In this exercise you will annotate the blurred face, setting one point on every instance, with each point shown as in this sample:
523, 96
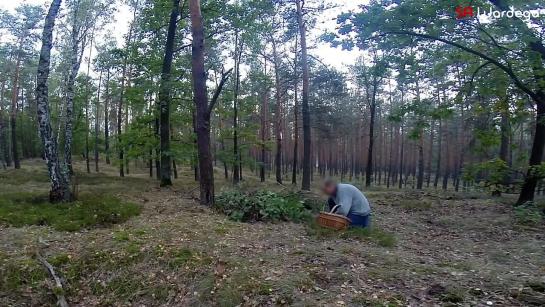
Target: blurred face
328, 188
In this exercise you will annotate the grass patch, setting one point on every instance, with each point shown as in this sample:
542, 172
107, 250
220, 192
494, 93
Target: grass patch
20, 209
22, 176
363, 300
16, 274
529, 214
373, 234
415, 204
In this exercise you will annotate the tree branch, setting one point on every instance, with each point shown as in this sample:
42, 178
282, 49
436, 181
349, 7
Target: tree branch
224, 77
503, 67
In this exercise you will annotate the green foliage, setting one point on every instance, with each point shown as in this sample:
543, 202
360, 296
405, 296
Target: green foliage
528, 214
491, 174
260, 206
19, 209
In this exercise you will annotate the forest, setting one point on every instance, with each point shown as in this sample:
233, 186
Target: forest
172, 152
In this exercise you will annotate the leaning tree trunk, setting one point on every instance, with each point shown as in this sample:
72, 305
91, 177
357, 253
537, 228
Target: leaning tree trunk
60, 190
305, 107
200, 98
164, 96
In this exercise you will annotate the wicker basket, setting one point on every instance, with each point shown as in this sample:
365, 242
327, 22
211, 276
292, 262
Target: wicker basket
333, 221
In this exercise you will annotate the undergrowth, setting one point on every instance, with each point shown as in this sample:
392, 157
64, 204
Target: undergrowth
261, 206
529, 214
20, 209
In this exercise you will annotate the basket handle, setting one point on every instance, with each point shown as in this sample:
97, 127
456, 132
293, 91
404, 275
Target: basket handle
334, 208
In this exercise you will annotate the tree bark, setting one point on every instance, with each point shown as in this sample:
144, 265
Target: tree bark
236, 154
97, 105
75, 61
277, 115
206, 176
264, 134
305, 106
164, 96
60, 190
295, 118
106, 119
372, 111
13, 113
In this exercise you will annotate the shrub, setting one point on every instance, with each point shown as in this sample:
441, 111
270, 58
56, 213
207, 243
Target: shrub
19, 209
260, 206
528, 214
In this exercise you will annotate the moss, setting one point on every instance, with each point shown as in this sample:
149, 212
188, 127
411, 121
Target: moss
20, 209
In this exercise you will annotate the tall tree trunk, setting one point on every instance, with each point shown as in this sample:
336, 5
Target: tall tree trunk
372, 111
97, 105
264, 134
439, 148
430, 157
164, 96
120, 121
4, 151
121, 97
3, 131
236, 156
401, 155
87, 101
295, 118
277, 115
60, 189
305, 107
106, 119
201, 103
75, 61
420, 176
529, 186
13, 113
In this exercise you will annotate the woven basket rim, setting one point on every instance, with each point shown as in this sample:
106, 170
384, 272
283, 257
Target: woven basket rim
335, 215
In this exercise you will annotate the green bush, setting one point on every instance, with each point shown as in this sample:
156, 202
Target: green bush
260, 206
19, 209
528, 214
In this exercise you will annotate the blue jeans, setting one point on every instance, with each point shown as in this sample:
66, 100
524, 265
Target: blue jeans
357, 220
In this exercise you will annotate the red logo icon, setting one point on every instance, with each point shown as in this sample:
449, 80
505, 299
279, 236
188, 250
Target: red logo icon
464, 11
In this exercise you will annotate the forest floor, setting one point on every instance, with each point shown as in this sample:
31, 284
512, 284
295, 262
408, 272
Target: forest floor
436, 248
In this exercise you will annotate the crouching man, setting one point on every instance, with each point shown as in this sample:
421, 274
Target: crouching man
346, 199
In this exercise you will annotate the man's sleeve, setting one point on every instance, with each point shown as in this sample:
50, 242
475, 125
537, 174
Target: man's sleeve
345, 203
